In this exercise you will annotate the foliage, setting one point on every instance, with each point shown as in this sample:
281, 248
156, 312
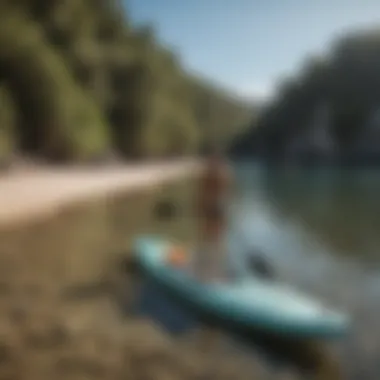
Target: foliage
84, 82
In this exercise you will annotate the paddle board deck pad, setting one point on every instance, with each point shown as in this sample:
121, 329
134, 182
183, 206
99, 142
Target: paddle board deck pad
240, 305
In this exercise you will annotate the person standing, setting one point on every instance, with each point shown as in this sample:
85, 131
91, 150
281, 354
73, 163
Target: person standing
213, 191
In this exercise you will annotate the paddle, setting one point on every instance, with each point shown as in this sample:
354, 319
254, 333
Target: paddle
257, 264
260, 266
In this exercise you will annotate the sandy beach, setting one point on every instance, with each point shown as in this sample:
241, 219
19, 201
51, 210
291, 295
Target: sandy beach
27, 196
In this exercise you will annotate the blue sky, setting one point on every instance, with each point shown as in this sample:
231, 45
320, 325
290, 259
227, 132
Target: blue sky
247, 45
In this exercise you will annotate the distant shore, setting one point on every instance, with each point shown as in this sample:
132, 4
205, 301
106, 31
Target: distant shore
29, 195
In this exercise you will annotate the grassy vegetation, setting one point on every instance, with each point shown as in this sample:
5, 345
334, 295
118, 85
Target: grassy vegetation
82, 83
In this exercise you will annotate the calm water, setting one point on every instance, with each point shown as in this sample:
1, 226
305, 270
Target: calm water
320, 230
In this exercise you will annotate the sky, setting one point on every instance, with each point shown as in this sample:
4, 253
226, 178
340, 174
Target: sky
247, 46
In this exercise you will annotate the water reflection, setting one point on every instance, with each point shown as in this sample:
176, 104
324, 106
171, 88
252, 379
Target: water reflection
321, 230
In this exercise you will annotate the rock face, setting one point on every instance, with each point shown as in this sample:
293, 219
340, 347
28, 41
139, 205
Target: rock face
366, 149
315, 144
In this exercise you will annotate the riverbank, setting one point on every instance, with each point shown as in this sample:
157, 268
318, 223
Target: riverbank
27, 196
62, 290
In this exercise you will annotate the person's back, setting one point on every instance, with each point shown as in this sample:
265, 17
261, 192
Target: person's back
215, 180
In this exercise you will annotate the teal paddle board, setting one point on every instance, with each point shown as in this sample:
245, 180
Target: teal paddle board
240, 305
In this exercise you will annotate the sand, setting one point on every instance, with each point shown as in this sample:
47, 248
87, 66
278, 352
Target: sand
29, 195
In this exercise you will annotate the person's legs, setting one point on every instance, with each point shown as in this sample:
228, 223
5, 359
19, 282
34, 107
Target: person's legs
200, 260
208, 259
208, 267
216, 259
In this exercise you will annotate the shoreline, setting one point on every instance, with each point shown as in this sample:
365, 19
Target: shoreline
29, 196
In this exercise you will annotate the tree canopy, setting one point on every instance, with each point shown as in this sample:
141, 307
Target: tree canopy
78, 81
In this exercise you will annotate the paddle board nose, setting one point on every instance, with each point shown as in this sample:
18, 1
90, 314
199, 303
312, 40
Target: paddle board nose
249, 303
